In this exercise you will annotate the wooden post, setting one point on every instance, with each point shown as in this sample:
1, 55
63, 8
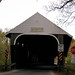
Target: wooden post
6, 57
60, 51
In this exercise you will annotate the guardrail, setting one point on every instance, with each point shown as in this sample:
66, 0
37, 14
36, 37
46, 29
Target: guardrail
65, 70
7, 67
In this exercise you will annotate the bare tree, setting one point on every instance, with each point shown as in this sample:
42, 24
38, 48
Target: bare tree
65, 7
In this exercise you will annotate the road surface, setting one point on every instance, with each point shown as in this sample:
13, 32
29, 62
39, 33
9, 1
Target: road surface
30, 72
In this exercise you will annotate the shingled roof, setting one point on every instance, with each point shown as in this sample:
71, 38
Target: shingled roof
37, 23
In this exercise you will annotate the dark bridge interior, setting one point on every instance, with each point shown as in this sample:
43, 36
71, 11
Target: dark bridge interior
35, 50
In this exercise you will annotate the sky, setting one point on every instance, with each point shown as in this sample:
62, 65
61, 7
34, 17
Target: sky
14, 12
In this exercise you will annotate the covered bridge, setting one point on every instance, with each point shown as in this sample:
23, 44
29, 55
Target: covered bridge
37, 41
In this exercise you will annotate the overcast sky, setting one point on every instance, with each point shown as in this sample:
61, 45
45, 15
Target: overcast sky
13, 12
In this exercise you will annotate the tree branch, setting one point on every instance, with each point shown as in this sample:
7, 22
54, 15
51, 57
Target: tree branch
0, 0
66, 10
65, 3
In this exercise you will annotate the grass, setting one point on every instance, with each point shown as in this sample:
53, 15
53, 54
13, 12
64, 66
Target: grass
69, 70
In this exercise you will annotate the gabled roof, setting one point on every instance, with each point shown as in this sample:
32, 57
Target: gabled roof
37, 24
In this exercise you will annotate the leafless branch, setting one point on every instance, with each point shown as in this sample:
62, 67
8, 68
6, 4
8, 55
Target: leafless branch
0, 0
66, 10
65, 4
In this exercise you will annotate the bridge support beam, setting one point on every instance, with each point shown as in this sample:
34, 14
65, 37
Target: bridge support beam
61, 57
